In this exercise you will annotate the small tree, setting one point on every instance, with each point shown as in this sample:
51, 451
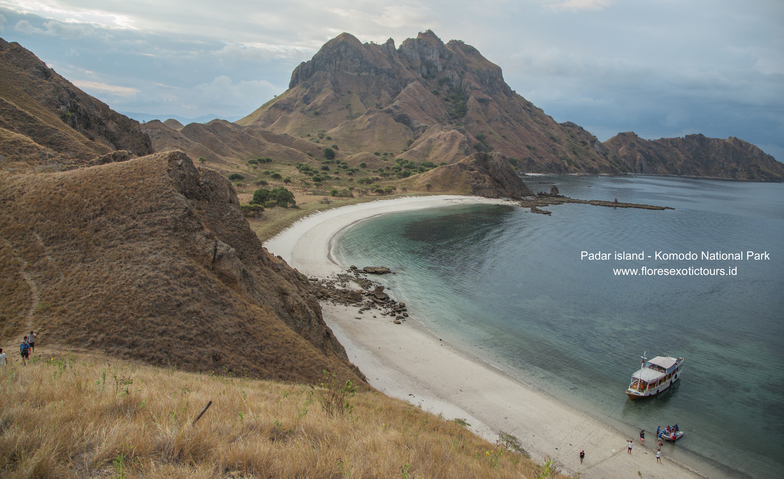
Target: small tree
260, 196
329, 153
428, 185
283, 197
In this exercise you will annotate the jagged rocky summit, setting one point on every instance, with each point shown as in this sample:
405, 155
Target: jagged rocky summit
430, 101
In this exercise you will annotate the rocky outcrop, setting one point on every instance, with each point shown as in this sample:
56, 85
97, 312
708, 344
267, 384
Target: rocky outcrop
486, 174
353, 289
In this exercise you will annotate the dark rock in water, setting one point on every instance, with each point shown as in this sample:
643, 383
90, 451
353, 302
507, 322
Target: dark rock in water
379, 293
376, 270
553, 190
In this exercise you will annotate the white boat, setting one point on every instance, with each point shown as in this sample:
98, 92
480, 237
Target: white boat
654, 376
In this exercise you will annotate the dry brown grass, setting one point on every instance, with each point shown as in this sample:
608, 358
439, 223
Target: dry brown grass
80, 416
127, 262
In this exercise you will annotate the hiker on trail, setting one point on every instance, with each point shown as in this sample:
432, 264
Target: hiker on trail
642, 437
31, 341
582, 456
3, 361
24, 350
631, 443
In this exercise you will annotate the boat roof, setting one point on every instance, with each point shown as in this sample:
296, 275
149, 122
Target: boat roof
647, 374
665, 362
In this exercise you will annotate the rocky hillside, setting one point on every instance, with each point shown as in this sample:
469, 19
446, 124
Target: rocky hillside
695, 155
423, 101
482, 174
151, 259
220, 142
47, 122
430, 101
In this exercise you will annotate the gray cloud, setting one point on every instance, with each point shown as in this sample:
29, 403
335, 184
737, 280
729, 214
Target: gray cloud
660, 69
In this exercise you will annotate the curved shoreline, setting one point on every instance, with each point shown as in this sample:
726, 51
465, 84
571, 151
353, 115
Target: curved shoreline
409, 362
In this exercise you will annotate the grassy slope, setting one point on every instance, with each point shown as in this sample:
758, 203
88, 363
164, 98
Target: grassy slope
68, 415
120, 259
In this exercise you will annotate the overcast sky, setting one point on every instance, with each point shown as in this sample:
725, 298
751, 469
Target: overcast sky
660, 68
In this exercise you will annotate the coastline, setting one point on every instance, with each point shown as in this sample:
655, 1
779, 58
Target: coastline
409, 362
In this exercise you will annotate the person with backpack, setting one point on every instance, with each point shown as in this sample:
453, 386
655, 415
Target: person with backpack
24, 350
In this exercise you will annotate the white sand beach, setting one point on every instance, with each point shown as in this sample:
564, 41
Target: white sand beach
407, 361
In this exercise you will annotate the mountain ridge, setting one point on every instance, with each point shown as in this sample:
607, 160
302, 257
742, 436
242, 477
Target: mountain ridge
378, 97
47, 121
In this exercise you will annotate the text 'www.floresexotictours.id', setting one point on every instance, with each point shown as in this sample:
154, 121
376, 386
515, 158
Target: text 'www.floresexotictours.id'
730, 270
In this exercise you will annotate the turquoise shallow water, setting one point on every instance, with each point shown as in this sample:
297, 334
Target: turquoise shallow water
511, 287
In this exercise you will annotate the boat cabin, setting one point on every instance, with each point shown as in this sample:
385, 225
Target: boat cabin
655, 376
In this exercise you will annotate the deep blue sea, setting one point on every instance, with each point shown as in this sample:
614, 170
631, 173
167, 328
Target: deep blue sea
514, 288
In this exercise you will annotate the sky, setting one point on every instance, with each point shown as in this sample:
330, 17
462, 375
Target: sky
660, 68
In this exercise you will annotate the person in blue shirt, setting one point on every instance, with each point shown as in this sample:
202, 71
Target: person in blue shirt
24, 350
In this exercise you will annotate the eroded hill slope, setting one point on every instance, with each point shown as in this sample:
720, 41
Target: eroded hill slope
152, 259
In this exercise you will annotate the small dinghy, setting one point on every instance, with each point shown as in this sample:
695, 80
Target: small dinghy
672, 437
671, 434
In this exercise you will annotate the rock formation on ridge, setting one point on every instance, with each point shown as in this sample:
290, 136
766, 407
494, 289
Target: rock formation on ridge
424, 101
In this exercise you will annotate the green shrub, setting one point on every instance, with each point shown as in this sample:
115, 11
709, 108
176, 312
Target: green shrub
276, 197
236, 177
333, 396
329, 153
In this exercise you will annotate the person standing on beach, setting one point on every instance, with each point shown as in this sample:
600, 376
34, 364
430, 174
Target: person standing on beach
658, 428
631, 443
24, 350
658, 456
4, 361
642, 437
582, 456
31, 341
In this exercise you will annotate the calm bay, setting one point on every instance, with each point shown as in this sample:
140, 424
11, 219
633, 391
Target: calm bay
518, 290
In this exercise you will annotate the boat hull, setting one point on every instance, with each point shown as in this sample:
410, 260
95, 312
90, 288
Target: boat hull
671, 437
634, 395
